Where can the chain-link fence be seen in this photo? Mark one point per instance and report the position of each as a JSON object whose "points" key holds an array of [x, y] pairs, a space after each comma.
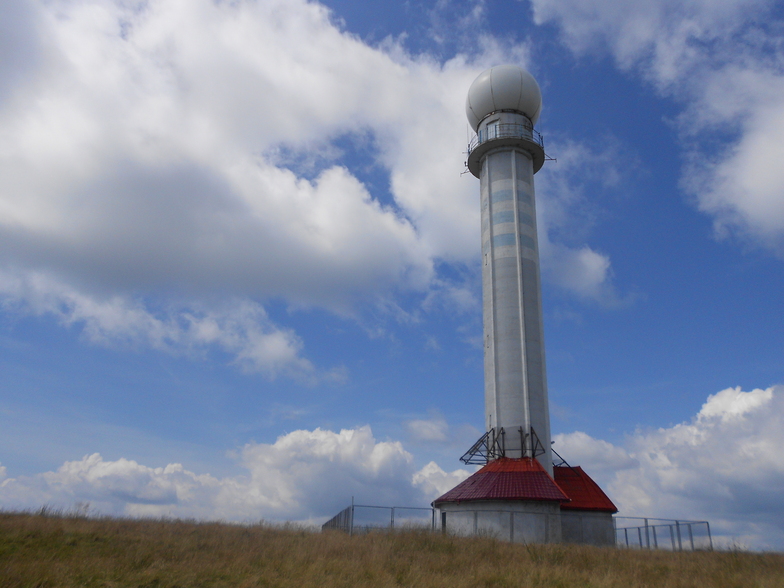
{"points": [[669, 534], [630, 532], [363, 518]]}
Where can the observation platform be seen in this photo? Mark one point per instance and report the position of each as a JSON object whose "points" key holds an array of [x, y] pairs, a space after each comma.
{"points": [[505, 135]]}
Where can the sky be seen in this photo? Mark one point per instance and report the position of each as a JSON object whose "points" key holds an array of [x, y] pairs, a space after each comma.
{"points": [[239, 255]]}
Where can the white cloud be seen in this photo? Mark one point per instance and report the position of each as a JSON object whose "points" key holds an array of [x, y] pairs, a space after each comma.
{"points": [[428, 430], [306, 470], [460, 296], [666, 36], [583, 271], [743, 190], [434, 481], [141, 147], [733, 403], [722, 61], [724, 466], [143, 152], [304, 475], [600, 457], [565, 214], [240, 328], [18, 46], [115, 487], [134, 187]]}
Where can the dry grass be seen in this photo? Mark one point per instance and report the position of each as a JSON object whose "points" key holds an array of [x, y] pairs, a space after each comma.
{"points": [[45, 550]]}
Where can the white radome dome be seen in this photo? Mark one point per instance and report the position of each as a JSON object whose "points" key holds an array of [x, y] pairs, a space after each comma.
{"points": [[503, 87]]}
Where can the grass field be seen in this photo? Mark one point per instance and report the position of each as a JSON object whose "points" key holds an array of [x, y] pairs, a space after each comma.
{"points": [[40, 550]]}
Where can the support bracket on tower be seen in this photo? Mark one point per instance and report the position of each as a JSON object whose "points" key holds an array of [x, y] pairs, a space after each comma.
{"points": [[489, 446], [492, 445]]}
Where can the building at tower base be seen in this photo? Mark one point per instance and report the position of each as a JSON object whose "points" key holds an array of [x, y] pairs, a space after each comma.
{"points": [[588, 516], [517, 500], [510, 499]]}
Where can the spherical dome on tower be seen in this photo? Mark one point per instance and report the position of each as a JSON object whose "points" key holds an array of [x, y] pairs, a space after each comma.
{"points": [[503, 87]]}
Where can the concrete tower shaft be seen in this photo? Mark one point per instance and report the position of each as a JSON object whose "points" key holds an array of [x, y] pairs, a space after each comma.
{"points": [[504, 156]]}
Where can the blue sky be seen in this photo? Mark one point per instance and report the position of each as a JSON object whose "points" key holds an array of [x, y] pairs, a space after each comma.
{"points": [[239, 263]]}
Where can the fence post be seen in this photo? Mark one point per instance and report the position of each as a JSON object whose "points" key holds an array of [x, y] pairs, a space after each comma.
{"points": [[615, 529], [511, 526], [392, 519], [710, 539], [680, 543], [351, 519], [647, 535]]}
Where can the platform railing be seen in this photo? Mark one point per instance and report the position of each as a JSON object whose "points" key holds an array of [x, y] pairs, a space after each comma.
{"points": [[506, 131]]}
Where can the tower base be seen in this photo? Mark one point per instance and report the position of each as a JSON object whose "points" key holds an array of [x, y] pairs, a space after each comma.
{"points": [[587, 527], [587, 517], [510, 499], [517, 500], [517, 521]]}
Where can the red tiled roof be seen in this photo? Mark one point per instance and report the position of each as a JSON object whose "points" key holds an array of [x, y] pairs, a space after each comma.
{"points": [[507, 479], [584, 492]]}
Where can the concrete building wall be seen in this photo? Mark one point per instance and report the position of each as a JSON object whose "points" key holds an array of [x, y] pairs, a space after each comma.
{"points": [[517, 521], [589, 527]]}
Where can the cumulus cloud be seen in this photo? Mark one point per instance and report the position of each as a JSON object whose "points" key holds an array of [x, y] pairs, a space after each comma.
{"points": [[137, 159], [723, 466], [432, 429], [304, 475], [159, 153], [722, 61], [305, 471], [665, 36], [742, 191], [133, 159], [566, 210], [434, 481], [240, 327], [111, 487], [600, 457]]}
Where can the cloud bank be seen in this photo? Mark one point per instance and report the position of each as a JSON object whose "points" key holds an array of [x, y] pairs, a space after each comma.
{"points": [[723, 466], [158, 156], [303, 476], [723, 62]]}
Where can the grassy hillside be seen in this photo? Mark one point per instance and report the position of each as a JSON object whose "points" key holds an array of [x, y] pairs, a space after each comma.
{"points": [[48, 551]]}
